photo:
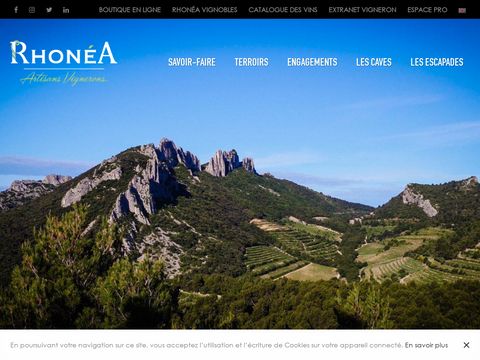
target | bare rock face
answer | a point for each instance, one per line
(410, 197)
(248, 165)
(56, 180)
(152, 184)
(173, 155)
(232, 159)
(189, 160)
(128, 202)
(223, 163)
(87, 184)
(168, 152)
(27, 187)
(217, 165)
(22, 191)
(159, 246)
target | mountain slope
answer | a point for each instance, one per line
(169, 207)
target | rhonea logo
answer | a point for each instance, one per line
(22, 54)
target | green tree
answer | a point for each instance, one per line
(366, 303)
(135, 295)
(50, 286)
(71, 278)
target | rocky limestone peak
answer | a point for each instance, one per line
(168, 152)
(152, 184)
(27, 185)
(223, 163)
(217, 165)
(174, 155)
(55, 180)
(22, 185)
(410, 197)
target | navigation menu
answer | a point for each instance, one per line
(240, 9)
(317, 62)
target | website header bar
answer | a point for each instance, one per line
(439, 9)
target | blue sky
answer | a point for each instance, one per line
(359, 134)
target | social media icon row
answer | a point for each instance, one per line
(48, 10)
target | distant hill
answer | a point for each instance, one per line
(22, 191)
(454, 202)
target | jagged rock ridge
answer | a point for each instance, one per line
(173, 155)
(152, 183)
(142, 179)
(149, 182)
(155, 183)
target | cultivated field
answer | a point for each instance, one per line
(451, 270)
(313, 272)
(305, 241)
(271, 262)
(401, 267)
(391, 263)
(411, 242)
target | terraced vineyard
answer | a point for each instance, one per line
(444, 272)
(430, 275)
(385, 262)
(404, 243)
(271, 262)
(465, 263)
(304, 241)
(402, 266)
(374, 253)
(409, 270)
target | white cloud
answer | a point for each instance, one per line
(394, 102)
(444, 134)
(40, 167)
